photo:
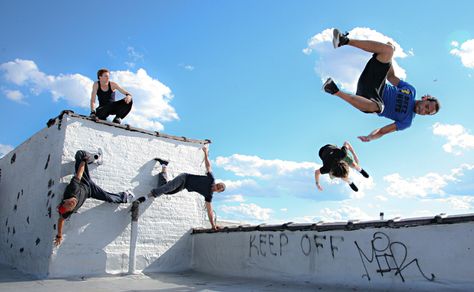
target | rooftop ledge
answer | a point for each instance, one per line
(57, 120)
(345, 225)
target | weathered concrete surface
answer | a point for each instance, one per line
(14, 281)
(430, 257)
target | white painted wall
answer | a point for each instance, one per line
(96, 239)
(333, 258)
(28, 195)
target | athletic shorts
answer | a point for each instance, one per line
(372, 81)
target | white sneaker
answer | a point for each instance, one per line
(129, 196)
(98, 157)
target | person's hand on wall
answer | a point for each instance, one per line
(58, 240)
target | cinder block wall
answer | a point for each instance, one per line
(421, 258)
(96, 239)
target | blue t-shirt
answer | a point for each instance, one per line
(399, 104)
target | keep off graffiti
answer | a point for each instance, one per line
(275, 245)
(388, 261)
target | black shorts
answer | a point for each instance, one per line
(372, 81)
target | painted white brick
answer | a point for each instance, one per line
(96, 239)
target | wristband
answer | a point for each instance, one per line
(58, 237)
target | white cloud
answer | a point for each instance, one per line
(343, 213)
(5, 149)
(456, 203)
(15, 95)
(345, 64)
(231, 185)
(234, 198)
(254, 166)
(431, 183)
(134, 54)
(284, 209)
(187, 67)
(465, 52)
(248, 211)
(381, 198)
(151, 98)
(458, 137)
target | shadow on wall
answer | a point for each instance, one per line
(146, 172)
(88, 234)
(176, 259)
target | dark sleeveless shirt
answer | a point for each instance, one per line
(105, 97)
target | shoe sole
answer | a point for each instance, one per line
(335, 38)
(326, 83)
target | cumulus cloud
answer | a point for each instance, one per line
(151, 97)
(458, 137)
(465, 51)
(254, 166)
(345, 64)
(14, 95)
(456, 203)
(343, 213)
(247, 211)
(5, 149)
(429, 184)
(234, 198)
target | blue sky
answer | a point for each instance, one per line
(248, 76)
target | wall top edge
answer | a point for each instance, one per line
(57, 121)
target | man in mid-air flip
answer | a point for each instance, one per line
(396, 102)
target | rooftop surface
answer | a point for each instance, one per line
(14, 281)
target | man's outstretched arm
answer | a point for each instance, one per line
(210, 215)
(379, 133)
(394, 80)
(206, 159)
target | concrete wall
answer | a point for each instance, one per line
(431, 257)
(96, 239)
(28, 198)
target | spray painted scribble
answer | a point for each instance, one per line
(47, 161)
(382, 251)
(13, 158)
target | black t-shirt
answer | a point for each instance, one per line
(201, 184)
(331, 154)
(78, 190)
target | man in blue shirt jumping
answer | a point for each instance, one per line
(396, 102)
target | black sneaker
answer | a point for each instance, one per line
(353, 187)
(117, 120)
(339, 39)
(364, 173)
(141, 199)
(330, 87)
(161, 161)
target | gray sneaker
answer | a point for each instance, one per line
(339, 39)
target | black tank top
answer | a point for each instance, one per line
(105, 97)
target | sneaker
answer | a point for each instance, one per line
(98, 157)
(330, 87)
(339, 39)
(162, 161)
(353, 187)
(142, 199)
(130, 197)
(117, 120)
(364, 173)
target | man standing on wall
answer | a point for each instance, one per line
(105, 90)
(202, 184)
(82, 187)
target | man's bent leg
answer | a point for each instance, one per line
(99, 194)
(171, 187)
(384, 51)
(359, 102)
